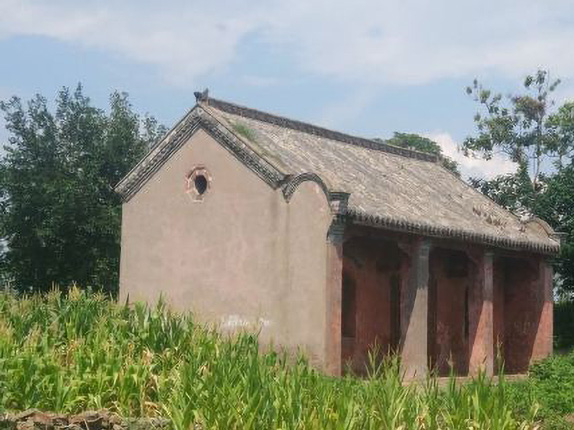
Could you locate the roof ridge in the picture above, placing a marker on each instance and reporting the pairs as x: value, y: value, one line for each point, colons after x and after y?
x: 281, y: 121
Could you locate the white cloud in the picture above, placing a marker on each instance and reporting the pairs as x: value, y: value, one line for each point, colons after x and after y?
x: 469, y: 166
x: 184, y: 39
x: 393, y: 41
x: 346, y: 109
x: 406, y: 41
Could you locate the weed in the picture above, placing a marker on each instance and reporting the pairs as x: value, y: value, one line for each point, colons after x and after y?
x: 244, y: 131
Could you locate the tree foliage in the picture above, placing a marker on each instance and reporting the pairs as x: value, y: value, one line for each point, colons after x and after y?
x: 60, y: 217
x: 556, y: 206
x: 422, y: 144
x: 513, y: 191
x: 519, y: 125
x: 539, y: 137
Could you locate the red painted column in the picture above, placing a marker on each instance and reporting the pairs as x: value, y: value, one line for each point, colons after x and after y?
x: 480, y: 317
x: 543, y: 340
x: 414, y: 313
x: 334, y: 289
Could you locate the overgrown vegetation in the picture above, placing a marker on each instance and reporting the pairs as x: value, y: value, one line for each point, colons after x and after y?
x: 244, y: 131
x: 84, y: 352
x: 551, y: 383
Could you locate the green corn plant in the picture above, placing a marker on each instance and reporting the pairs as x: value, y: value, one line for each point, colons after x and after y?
x: 68, y: 351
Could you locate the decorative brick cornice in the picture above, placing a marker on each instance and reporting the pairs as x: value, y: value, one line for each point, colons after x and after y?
x: 338, y: 201
x: 336, y: 232
x: 451, y: 233
x: 175, y: 139
x: 292, y: 183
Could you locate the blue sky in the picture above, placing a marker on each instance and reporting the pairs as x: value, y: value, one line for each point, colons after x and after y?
x: 367, y: 67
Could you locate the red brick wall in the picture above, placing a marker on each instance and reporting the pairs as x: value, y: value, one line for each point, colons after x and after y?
x: 523, y: 311
x: 448, y: 344
x: 498, y: 313
x: 370, y: 264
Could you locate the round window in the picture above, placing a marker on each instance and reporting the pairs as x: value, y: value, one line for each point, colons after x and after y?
x: 200, y: 183
x: 197, y: 183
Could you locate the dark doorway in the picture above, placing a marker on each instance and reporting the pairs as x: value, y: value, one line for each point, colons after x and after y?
x: 448, y: 317
x: 516, y: 312
x: 370, y: 300
x: 348, y: 318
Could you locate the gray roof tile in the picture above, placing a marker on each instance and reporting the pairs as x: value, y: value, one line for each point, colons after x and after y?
x: 386, y: 183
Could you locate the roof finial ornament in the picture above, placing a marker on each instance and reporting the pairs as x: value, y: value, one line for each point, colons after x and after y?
x: 202, y: 96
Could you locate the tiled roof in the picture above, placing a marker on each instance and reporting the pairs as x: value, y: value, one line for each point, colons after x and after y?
x: 389, y: 187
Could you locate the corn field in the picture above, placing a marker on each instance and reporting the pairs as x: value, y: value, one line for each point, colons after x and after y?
x: 81, y: 351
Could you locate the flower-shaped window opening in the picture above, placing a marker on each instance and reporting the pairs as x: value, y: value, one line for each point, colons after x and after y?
x: 197, y: 183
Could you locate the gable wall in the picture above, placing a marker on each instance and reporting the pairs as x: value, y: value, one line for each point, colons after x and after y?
x: 242, y: 256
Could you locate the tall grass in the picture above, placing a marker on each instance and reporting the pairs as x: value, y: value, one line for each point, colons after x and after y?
x: 69, y: 354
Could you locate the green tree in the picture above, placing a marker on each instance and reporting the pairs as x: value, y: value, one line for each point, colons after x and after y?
x: 539, y: 137
x: 60, y: 218
x: 513, y: 191
x: 562, y: 124
x: 518, y: 126
x: 422, y: 144
x: 556, y: 206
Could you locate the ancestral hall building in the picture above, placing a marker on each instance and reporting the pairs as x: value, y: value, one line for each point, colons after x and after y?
x: 332, y: 243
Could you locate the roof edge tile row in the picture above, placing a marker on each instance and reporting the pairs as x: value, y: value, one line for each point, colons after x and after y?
x: 281, y: 121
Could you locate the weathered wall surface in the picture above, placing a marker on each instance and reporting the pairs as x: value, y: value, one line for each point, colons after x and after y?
x: 372, y: 265
x: 543, y: 340
x: 241, y: 257
x: 498, y: 312
x: 524, y: 286
x: 449, y: 345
